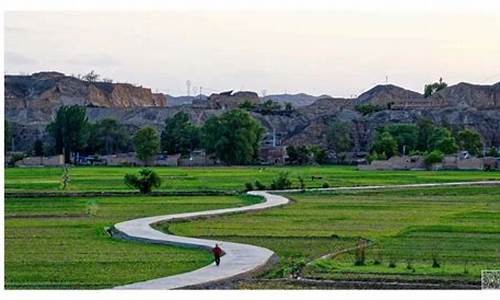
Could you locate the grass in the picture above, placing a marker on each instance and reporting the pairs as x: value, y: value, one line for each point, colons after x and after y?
x: 59, y: 243
x: 457, y: 226
x: 222, y: 178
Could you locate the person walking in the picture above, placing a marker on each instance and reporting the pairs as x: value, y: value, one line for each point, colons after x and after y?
x: 217, y: 251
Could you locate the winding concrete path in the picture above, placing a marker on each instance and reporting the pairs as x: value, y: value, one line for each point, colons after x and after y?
x: 239, y: 259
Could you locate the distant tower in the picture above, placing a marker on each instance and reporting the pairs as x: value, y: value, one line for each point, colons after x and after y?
x: 263, y: 92
x: 386, y: 79
x: 201, y: 91
x: 188, y: 87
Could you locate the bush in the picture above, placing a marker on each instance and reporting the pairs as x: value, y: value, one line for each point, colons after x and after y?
x: 368, y: 108
x: 259, y: 185
x: 282, y: 182
x: 433, y: 157
x: 144, y: 181
x: 248, y: 186
x: 376, y: 156
x: 325, y: 185
x: 16, y: 157
x: 435, y: 263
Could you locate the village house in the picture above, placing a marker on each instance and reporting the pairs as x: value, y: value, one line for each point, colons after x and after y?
x: 449, y: 162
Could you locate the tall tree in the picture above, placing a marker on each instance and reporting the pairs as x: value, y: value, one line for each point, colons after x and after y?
x: 179, y: 135
x: 234, y: 137
x: 146, y: 143
x: 107, y: 137
x: 339, y: 136
x: 470, y: 140
x: 424, y: 134
x: 443, y: 141
x: 38, y: 148
x: 405, y: 135
x: 385, y: 143
x: 69, y: 130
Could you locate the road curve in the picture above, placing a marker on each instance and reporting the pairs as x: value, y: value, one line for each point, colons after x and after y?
x: 239, y: 259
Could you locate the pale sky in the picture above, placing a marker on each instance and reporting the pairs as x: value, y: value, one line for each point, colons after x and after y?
x: 337, y: 52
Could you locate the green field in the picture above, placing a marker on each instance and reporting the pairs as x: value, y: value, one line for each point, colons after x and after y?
x: 459, y: 226
x: 222, y: 178
x: 61, y: 242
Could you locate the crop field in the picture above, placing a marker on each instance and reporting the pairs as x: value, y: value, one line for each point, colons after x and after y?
x: 58, y: 243
x: 221, y: 178
x: 457, y: 227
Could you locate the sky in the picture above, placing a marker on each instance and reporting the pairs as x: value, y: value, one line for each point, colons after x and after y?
x: 340, y: 51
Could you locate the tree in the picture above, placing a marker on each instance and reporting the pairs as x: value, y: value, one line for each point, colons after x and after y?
x: 247, y: 105
x: 443, y: 141
x: 385, y: 143
x: 146, y: 143
x: 179, y: 135
x: 144, y: 181
x: 288, y: 106
x: 405, y: 135
x: 298, y: 155
x: 107, y: 137
x: 433, y: 157
x: 339, y: 136
x: 368, y: 108
x: 471, y: 141
x: 493, y: 152
x: 38, y: 148
x: 432, y: 88
x: 234, y: 137
x: 424, y: 135
x: 69, y: 130
x: 269, y: 106
x: 91, y: 76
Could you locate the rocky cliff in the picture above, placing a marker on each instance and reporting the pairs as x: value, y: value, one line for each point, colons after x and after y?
x: 35, y: 97
x: 32, y: 100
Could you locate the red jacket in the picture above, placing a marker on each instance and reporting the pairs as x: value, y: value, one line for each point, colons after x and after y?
x: 217, y: 251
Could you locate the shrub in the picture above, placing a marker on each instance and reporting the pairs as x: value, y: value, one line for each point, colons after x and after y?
x: 376, y: 156
x: 433, y: 157
x: 325, y: 185
x: 248, y: 186
x: 16, y: 157
x: 368, y: 108
x: 392, y: 264
x: 282, y: 182
x: 144, y: 181
x: 435, y: 263
x: 259, y: 185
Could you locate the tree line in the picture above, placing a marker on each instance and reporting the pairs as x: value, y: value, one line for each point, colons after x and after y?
x: 233, y: 137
